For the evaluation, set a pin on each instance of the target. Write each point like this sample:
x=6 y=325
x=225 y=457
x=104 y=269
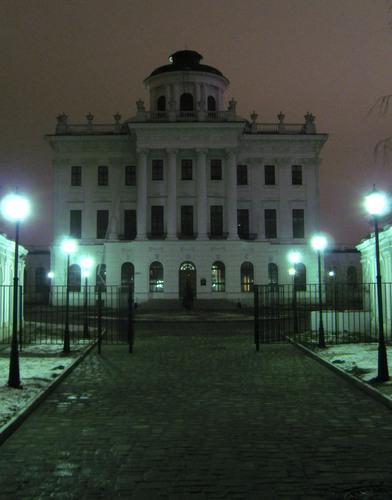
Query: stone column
x=202 y=205
x=172 y=195
x=231 y=194
x=141 y=182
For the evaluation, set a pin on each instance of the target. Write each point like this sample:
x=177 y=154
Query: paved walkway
x=199 y=417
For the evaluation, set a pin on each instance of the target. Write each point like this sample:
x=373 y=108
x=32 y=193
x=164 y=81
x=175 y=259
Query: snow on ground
x=359 y=360
x=39 y=365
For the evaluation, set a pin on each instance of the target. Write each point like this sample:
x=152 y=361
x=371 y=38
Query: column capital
x=202 y=151
x=142 y=151
x=231 y=151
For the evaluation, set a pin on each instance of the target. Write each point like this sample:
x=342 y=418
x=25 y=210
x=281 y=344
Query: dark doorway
x=187 y=279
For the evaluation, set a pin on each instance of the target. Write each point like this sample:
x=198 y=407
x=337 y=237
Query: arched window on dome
x=186 y=102
x=211 y=103
x=161 y=103
x=247 y=277
x=218 y=277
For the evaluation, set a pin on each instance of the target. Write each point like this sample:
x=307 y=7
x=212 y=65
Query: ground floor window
x=156 y=277
x=100 y=277
x=74 y=278
x=127 y=274
x=247 y=278
x=218 y=277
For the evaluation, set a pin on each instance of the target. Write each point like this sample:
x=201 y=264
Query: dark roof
x=185 y=60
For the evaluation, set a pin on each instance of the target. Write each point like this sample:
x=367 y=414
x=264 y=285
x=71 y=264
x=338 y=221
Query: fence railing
x=348 y=311
x=92 y=313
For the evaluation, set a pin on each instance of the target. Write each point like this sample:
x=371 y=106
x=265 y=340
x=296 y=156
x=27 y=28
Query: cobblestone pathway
x=200 y=418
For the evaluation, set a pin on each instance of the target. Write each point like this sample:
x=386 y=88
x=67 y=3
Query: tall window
x=157 y=170
x=130 y=229
x=298 y=223
x=41 y=280
x=273 y=274
x=74 y=278
x=243 y=223
x=103 y=175
x=242 y=175
x=102 y=223
x=127 y=274
x=216 y=221
x=157 y=220
x=161 y=103
x=269 y=175
x=247 y=277
x=130 y=175
x=187 y=220
x=75 y=223
x=211 y=103
x=218 y=277
x=270 y=223
x=216 y=169
x=156 y=277
x=296 y=175
x=300 y=277
x=100 y=277
x=186 y=102
x=76 y=176
x=352 y=276
x=186 y=170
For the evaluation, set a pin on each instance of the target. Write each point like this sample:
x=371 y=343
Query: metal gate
x=81 y=315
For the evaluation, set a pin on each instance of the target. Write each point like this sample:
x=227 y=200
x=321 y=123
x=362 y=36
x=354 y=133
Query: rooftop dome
x=185 y=60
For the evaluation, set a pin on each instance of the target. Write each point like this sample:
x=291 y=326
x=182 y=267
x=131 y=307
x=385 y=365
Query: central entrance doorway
x=187 y=279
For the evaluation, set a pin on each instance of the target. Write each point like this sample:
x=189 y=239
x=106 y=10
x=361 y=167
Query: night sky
x=330 y=57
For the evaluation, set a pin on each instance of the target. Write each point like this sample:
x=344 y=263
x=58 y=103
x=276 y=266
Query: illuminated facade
x=186 y=193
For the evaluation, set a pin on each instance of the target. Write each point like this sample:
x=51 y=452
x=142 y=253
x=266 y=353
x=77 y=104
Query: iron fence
x=103 y=314
x=349 y=312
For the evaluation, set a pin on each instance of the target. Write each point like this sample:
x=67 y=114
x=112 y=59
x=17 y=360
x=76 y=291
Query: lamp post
x=69 y=247
x=15 y=208
x=332 y=275
x=376 y=205
x=86 y=264
x=294 y=258
x=319 y=244
x=50 y=276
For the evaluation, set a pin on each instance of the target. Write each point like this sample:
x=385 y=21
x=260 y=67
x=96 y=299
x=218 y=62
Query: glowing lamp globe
x=376 y=203
x=292 y=271
x=68 y=246
x=331 y=274
x=319 y=243
x=15 y=208
x=86 y=264
x=295 y=257
x=50 y=275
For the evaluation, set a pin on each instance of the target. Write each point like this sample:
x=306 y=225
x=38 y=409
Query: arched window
x=352 y=276
x=40 y=279
x=161 y=103
x=211 y=103
x=156 y=277
x=74 y=278
x=127 y=274
x=247 y=277
x=218 y=277
x=273 y=274
x=186 y=102
x=300 y=277
x=100 y=277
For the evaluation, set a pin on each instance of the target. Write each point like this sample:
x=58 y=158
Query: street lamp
x=319 y=244
x=68 y=246
x=294 y=258
x=332 y=275
x=15 y=208
x=86 y=264
x=376 y=205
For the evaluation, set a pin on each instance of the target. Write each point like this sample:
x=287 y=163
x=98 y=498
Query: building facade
x=186 y=193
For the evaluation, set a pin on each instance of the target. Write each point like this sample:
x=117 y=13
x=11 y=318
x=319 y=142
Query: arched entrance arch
x=187 y=279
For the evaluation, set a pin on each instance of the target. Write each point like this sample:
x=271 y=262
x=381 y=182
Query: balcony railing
x=156 y=236
x=186 y=236
x=247 y=236
x=218 y=236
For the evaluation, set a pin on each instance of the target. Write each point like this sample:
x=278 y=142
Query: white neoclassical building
x=186 y=192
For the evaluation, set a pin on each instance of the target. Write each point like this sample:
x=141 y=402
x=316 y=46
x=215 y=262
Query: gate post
x=99 y=319
x=130 y=319
x=256 y=316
